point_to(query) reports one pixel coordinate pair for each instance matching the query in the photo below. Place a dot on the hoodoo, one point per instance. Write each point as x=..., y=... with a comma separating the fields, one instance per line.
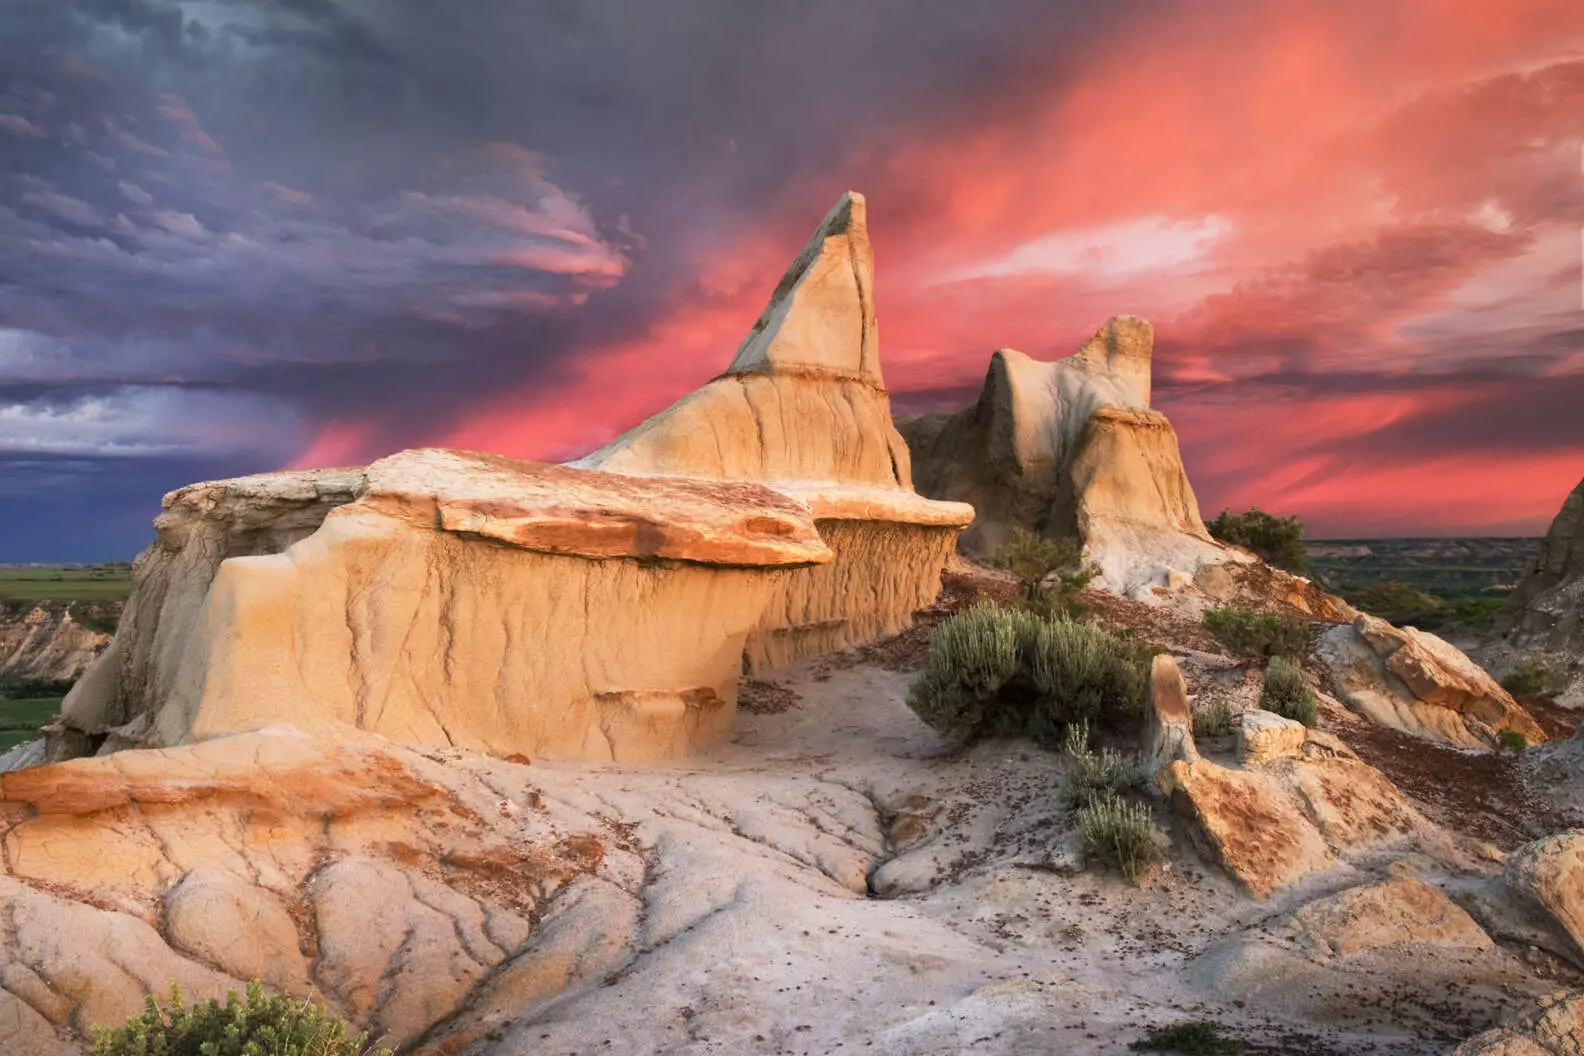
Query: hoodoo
x=599, y=610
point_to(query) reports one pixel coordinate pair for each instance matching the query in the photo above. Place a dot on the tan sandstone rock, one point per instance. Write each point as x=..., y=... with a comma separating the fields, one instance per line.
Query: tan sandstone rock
x=1265, y=737
x=1071, y=449
x=1168, y=734
x=1412, y=681
x=1550, y=874
x=1554, y=1028
x=803, y=407
x=1390, y=913
x=361, y=874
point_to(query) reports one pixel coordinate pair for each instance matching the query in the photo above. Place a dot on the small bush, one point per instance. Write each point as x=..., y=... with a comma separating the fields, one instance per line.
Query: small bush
x=1120, y=833
x=1213, y=720
x=1009, y=673
x=254, y=1026
x=1254, y=633
x=1094, y=776
x=1277, y=540
x=1195, y=1038
x=1512, y=741
x=1531, y=678
x=1287, y=691
x=1033, y=559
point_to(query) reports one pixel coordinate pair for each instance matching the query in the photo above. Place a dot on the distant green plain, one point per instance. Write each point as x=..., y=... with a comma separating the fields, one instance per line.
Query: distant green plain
x=65, y=582
x=20, y=719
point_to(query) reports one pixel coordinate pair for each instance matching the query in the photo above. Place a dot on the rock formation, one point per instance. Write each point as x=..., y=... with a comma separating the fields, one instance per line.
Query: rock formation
x=803, y=408
x=1288, y=810
x=48, y=641
x=1554, y=1028
x=601, y=610
x=1412, y=681
x=1070, y=449
x=1544, y=616
x=1549, y=875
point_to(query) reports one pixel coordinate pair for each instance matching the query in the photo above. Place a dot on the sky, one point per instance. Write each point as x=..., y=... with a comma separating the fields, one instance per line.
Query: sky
x=238, y=235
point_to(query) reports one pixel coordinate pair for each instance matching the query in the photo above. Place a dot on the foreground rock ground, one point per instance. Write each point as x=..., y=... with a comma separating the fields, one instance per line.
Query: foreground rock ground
x=835, y=878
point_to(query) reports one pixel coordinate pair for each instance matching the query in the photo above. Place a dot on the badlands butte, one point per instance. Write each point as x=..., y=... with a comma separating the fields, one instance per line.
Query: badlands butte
x=617, y=756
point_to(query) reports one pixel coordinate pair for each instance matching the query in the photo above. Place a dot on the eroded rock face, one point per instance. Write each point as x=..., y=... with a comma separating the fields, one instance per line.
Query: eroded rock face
x=1554, y=1028
x=1549, y=873
x=1544, y=616
x=1412, y=681
x=1070, y=449
x=803, y=407
x=1300, y=809
x=47, y=641
x=1393, y=912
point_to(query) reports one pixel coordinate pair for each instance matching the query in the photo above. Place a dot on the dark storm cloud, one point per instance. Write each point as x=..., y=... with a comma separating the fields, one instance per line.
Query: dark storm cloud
x=225, y=223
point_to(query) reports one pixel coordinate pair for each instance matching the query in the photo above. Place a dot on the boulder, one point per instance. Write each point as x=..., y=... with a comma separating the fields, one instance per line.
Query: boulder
x=1071, y=449
x=1168, y=720
x=1265, y=737
x=1549, y=874
x=1294, y=815
x=1544, y=616
x=1412, y=681
x=1554, y=1028
x=1394, y=912
x=600, y=610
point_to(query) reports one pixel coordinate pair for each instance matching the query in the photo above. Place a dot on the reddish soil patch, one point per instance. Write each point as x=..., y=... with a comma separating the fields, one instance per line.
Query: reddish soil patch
x=1157, y=624
x=1481, y=794
x=1559, y=723
x=758, y=697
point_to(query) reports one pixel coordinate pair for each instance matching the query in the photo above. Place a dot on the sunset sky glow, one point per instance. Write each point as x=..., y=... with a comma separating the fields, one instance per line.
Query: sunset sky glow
x=240, y=236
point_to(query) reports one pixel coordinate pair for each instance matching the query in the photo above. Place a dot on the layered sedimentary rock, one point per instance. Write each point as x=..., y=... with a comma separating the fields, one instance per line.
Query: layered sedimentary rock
x=1544, y=616
x=472, y=600
x=1413, y=681
x=1070, y=449
x=600, y=610
x=48, y=641
x=803, y=408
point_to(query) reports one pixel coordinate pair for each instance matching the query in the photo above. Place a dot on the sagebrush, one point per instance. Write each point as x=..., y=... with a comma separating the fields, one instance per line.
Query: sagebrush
x=254, y=1025
x=1093, y=776
x=1033, y=559
x=1288, y=693
x=1255, y=633
x=1530, y=678
x=1191, y=1038
x=1277, y=540
x=1213, y=720
x=997, y=672
x=1120, y=833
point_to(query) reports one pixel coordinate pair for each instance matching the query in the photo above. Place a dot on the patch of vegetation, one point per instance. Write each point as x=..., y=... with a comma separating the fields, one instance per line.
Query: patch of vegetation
x=1094, y=776
x=1511, y=741
x=1476, y=615
x=1287, y=692
x=1213, y=720
x=30, y=583
x=1254, y=633
x=1395, y=602
x=20, y=720
x=1405, y=606
x=1120, y=833
x=1531, y=678
x=1194, y=1038
x=1033, y=559
x=253, y=1026
x=1277, y=540
x=997, y=672
x=1450, y=570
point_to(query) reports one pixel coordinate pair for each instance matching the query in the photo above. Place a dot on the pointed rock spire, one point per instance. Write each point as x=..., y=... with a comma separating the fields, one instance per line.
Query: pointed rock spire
x=1122, y=348
x=821, y=317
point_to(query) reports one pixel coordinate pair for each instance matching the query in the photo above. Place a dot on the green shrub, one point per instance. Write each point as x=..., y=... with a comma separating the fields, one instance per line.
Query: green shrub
x=1010, y=672
x=1120, y=833
x=1531, y=678
x=1287, y=691
x=1033, y=559
x=1213, y=720
x=254, y=1026
x=1093, y=776
x=1512, y=741
x=1194, y=1038
x=1277, y=540
x=1249, y=631
x=1396, y=602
